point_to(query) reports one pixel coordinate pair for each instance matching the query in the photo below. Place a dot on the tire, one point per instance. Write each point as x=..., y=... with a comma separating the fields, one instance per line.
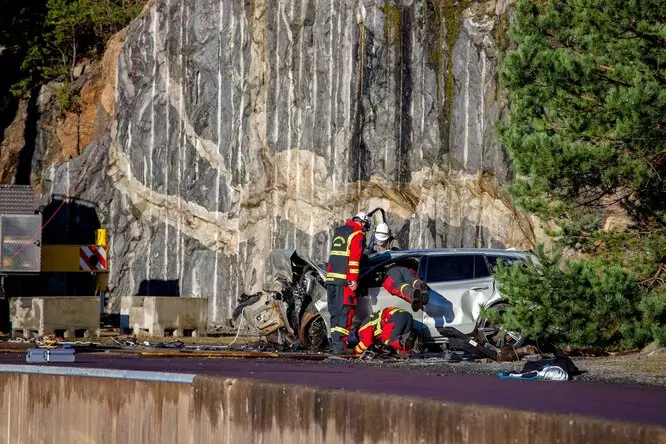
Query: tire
x=496, y=335
x=312, y=330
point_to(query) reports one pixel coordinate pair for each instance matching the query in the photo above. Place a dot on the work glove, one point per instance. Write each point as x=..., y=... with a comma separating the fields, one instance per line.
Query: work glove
x=352, y=338
x=425, y=298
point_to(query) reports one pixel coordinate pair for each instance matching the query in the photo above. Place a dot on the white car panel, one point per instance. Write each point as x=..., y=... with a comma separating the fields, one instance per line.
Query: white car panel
x=455, y=303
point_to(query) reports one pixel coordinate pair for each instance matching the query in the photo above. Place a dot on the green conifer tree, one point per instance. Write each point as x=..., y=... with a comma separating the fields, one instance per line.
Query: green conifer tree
x=587, y=130
x=67, y=31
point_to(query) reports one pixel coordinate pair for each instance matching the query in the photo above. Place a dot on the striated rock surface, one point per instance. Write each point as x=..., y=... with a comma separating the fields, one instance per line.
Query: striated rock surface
x=248, y=126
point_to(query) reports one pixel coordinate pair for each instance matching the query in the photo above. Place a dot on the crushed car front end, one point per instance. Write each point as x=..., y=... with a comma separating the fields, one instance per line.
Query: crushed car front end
x=292, y=307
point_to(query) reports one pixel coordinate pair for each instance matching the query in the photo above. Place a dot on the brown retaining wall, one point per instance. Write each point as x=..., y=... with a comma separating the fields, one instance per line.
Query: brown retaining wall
x=77, y=409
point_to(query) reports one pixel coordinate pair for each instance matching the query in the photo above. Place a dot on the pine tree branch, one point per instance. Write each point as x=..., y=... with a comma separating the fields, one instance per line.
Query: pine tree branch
x=656, y=279
x=619, y=199
x=587, y=203
x=611, y=80
x=655, y=39
x=558, y=44
x=660, y=77
x=601, y=69
x=653, y=230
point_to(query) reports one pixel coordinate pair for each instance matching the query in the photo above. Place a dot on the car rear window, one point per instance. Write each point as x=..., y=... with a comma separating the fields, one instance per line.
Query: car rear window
x=450, y=268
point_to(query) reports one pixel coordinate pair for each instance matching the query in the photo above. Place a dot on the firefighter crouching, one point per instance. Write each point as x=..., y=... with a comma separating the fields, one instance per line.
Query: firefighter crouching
x=387, y=331
x=342, y=276
x=403, y=282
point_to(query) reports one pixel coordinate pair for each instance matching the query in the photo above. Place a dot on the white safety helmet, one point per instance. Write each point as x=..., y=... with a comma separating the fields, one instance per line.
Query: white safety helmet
x=362, y=217
x=382, y=232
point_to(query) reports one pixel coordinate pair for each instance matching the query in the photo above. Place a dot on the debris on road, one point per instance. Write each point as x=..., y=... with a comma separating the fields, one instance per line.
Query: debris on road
x=560, y=368
x=508, y=353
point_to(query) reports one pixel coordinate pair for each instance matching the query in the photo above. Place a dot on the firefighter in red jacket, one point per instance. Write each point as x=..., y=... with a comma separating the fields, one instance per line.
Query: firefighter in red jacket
x=390, y=328
x=403, y=282
x=342, y=276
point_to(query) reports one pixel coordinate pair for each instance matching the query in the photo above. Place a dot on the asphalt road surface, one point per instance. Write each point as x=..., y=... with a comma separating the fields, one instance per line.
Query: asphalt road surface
x=630, y=403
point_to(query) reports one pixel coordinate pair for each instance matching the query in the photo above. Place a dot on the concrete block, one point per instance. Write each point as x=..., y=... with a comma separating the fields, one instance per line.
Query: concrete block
x=66, y=316
x=157, y=315
x=126, y=304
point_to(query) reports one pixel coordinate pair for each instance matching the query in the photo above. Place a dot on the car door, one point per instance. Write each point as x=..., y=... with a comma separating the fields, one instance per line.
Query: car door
x=377, y=297
x=459, y=285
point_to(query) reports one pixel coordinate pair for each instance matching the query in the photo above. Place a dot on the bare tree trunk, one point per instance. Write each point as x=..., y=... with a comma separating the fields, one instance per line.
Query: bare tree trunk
x=71, y=69
x=64, y=57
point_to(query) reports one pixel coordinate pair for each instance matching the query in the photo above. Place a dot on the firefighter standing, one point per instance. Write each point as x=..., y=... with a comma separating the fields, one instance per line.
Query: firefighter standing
x=342, y=276
x=390, y=329
x=403, y=282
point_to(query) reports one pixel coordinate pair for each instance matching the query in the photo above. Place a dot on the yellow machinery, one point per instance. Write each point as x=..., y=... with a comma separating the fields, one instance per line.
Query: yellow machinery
x=79, y=259
x=24, y=258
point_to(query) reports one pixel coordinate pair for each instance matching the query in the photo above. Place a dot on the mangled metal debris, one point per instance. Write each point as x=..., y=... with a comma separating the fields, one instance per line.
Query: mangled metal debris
x=285, y=312
x=267, y=313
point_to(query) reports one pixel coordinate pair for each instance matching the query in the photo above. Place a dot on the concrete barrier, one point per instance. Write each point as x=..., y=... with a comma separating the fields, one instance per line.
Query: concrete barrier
x=56, y=408
x=66, y=316
x=160, y=315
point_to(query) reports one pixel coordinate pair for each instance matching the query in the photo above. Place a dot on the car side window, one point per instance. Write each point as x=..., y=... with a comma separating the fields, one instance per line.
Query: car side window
x=506, y=260
x=450, y=268
x=376, y=276
x=480, y=267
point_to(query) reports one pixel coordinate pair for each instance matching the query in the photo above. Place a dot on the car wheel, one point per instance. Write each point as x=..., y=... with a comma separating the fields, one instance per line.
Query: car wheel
x=312, y=332
x=498, y=336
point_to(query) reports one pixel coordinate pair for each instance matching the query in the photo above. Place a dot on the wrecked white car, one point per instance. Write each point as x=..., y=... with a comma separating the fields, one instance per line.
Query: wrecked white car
x=460, y=283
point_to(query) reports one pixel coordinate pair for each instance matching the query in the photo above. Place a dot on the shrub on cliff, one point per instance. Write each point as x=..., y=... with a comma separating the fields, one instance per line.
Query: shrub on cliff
x=586, y=132
x=67, y=31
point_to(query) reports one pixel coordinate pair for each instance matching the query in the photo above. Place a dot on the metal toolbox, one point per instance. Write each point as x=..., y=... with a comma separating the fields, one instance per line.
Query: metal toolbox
x=36, y=355
x=49, y=355
x=60, y=355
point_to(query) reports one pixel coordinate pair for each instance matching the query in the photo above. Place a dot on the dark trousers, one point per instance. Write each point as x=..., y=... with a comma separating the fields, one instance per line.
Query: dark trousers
x=341, y=315
x=402, y=324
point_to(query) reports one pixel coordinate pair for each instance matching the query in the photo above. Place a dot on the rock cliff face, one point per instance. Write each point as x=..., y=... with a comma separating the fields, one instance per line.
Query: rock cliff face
x=247, y=126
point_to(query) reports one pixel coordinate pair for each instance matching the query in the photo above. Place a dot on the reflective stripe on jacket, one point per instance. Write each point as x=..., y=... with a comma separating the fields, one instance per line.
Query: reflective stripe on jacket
x=402, y=281
x=346, y=249
x=375, y=329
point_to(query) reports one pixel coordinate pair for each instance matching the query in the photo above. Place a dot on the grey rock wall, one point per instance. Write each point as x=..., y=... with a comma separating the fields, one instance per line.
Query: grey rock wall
x=249, y=126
